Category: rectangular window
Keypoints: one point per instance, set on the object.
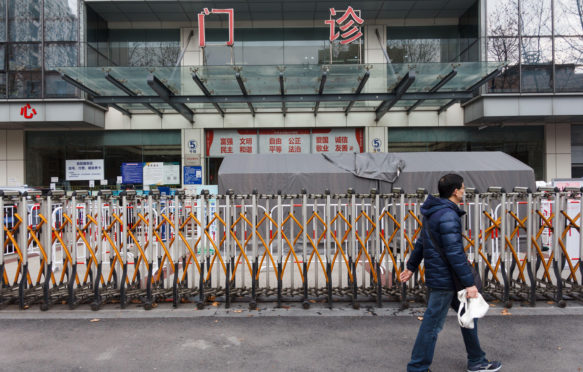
(24, 18)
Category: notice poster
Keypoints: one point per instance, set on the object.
(284, 141)
(132, 173)
(171, 173)
(153, 173)
(192, 175)
(84, 170)
(226, 142)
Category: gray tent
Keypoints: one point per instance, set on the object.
(479, 169)
(269, 173)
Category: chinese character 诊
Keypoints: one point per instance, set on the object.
(348, 25)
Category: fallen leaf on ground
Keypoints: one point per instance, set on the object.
(506, 312)
(559, 348)
(550, 302)
(154, 305)
(237, 311)
(492, 305)
(216, 321)
(211, 298)
(312, 301)
(419, 318)
(285, 307)
(215, 304)
(94, 320)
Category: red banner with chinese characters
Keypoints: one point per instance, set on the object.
(220, 143)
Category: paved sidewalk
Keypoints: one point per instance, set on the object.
(544, 338)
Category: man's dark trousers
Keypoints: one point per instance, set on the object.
(433, 320)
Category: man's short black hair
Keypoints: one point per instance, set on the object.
(448, 184)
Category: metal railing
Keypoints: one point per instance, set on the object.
(346, 248)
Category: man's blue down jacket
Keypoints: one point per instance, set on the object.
(443, 217)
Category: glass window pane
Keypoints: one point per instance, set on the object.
(2, 20)
(24, 56)
(504, 50)
(60, 55)
(347, 54)
(56, 87)
(262, 52)
(569, 64)
(2, 58)
(61, 21)
(535, 18)
(502, 17)
(306, 52)
(537, 68)
(2, 85)
(568, 17)
(24, 20)
(25, 84)
(537, 50)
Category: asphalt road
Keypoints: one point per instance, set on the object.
(319, 339)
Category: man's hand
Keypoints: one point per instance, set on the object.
(405, 275)
(471, 292)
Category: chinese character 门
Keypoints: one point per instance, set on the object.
(201, 26)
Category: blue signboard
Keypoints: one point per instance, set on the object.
(193, 175)
(132, 172)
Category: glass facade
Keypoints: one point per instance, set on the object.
(420, 44)
(541, 41)
(525, 143)
(577, 151)
(35, 37)
(46, 152)
(279, 46)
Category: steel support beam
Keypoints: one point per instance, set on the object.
(435, 88)
(206, 92)
(320, 91)
(244, 91)
(398, 93)
(130, 92)
(165, 94)
(282, 92)
(270, 98)
(361, 85)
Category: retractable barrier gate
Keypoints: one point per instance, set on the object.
(343, 248)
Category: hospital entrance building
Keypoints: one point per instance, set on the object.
(102, 93)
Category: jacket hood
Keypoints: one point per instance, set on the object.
(433, 204)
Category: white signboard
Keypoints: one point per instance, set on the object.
(84, 170)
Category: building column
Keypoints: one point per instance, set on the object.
(192, 154)
(376, 139)
(557, 151)
(12, 163)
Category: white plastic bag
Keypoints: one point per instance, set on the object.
(470, 308)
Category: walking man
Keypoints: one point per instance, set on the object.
(443, 226)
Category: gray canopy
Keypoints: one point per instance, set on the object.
(270, 173)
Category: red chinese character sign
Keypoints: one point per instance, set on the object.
(27, 111)
(201, 25)
(348, 25)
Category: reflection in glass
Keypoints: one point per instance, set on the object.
(24, 56)
(568, 64)
(60, 55)
(61, 20)
(568, 17)
(537, 68)
(537, 50)
(502, 17)
(262, 53)
(25, 84)
(24, 20)
(2, 20)
(56, 87)
(2, 85)
(504, 49)
(536, 18)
